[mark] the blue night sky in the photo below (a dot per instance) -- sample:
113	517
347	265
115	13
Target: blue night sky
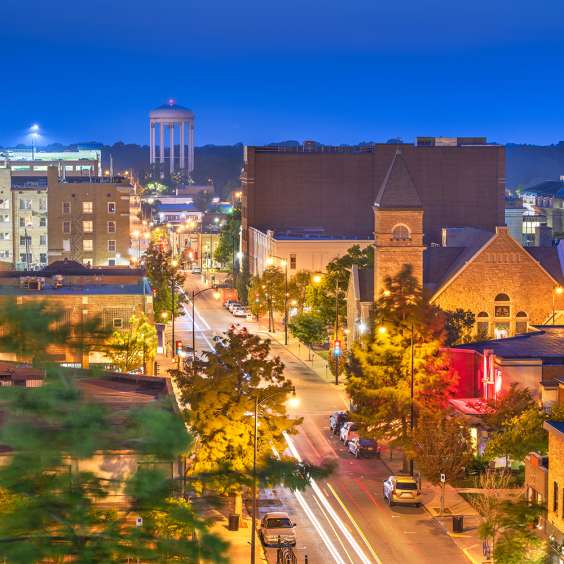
257	71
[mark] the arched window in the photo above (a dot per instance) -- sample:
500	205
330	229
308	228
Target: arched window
401	233
502	298
482	325
521	322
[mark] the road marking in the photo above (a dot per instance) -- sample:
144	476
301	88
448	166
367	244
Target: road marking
352	541
333	528
359	530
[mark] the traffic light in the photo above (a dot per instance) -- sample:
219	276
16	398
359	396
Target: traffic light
154	292
178	347
337	347
157	368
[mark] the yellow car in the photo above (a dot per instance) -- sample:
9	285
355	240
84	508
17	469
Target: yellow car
402	490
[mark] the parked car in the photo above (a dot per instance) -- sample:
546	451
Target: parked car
403	490
240	311
277	529
196	270
349	431
233	305
336	421
227	303
363	447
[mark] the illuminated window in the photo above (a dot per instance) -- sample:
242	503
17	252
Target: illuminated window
111	207
118	322
87	226
4	204
111	226
111	246
66	245
25	204
66	227
401	233
66	208
87	207
87	245
521	322
482	325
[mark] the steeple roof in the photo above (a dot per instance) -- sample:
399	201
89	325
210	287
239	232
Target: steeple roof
398	190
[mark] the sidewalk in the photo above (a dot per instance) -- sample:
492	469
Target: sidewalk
455	505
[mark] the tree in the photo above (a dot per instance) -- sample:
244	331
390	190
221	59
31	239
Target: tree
507	405
298	289
379	380
221	390
308	328
441	446
521	434
56	510
135	346
164	275
266	294
228	243
459	327
30	329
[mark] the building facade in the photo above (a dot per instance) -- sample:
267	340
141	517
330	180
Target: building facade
6	219
89	221
35	163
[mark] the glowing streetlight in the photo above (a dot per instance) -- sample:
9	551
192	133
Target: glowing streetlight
382	330
558	291
317	278
386	293
362	327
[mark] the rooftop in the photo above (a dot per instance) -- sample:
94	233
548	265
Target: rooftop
547	188
398	190
554	426
79	290
547	342
74	268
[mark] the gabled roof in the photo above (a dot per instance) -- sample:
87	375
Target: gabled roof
549	259
398	190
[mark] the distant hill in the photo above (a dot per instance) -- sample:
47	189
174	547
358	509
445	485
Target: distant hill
526	165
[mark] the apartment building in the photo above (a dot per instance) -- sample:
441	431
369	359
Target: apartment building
6	223
89	219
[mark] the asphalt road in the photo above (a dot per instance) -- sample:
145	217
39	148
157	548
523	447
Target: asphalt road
344	518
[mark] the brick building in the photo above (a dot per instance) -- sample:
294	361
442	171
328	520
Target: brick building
330	191
506	286
111	295
90	219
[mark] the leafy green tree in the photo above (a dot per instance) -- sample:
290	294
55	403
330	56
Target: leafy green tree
441	445
308	328
459	327
266	294
135	346
298	289
228	243
507	405
379	380
221	390
164	275
30	329
57	511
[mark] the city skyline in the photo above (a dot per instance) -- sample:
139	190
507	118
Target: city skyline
333	73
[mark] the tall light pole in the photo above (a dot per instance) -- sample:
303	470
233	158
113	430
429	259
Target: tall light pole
258	402
284	263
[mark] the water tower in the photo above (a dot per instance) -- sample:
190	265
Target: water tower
172	117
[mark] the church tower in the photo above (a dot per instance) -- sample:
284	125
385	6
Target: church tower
398	226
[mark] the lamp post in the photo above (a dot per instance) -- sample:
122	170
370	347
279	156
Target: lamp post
258	402
556	292
284	263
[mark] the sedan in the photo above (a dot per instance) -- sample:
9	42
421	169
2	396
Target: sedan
277	529
363	448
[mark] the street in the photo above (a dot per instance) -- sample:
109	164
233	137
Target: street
343	518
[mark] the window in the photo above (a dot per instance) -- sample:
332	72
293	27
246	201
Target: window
66	245
87	226
111	207
42	222
4	236
25	204
292	262
111	226
502	298
111	246
87	245
87	207
43	258
555	497
25	258
66	227
502	308
4	218
4	254
521	323
118	323
22	221
66	208
42	204
111	262
482	325
25	240
87	262
4	204
42	239
401	233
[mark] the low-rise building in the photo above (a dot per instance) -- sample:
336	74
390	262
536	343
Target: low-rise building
89	219
555	498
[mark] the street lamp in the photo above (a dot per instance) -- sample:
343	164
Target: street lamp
558	291
284	263
292	402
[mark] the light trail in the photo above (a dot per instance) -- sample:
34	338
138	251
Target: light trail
329	508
